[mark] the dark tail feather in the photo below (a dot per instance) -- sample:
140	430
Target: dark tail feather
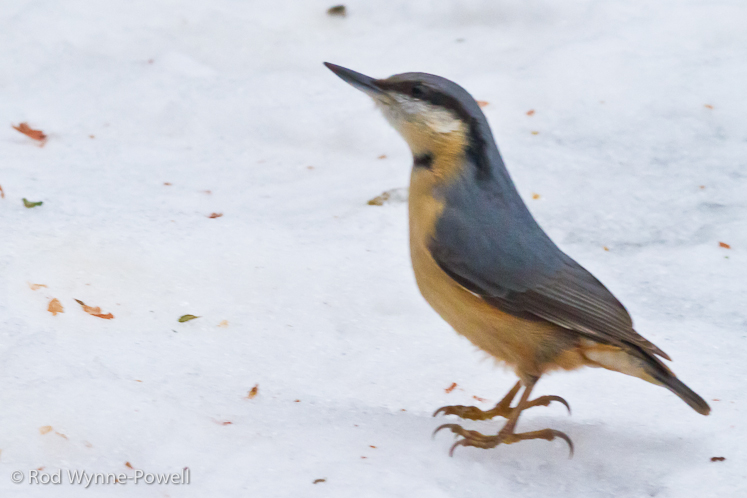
671	382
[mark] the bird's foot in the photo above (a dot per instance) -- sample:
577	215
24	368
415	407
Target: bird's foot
502	409
473	412
474	438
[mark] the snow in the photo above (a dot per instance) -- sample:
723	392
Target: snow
315	284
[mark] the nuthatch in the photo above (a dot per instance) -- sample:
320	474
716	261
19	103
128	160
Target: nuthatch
485	265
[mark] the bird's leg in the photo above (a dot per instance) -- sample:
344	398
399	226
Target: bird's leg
502	409
507	434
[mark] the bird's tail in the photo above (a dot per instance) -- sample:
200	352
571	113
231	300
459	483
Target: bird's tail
636	362
666	378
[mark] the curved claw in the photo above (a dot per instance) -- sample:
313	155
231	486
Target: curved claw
442	409
453	447
565	438
561	400
453	427
546	400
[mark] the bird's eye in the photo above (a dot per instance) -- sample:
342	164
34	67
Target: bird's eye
418	90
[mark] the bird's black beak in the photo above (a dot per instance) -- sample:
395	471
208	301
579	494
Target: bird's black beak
360	81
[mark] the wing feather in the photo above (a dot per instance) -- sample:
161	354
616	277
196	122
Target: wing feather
558	289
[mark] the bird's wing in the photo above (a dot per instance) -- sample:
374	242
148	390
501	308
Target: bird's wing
520	271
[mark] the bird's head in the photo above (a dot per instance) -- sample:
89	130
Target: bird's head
437	117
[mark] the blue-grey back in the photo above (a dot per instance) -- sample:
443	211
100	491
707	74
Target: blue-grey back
488	228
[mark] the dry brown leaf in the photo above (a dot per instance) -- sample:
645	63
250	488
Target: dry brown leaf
253	392
383	156
708	106
215	215
45	429
2	194
37	135
483	103
482	400
535	133
36	286
605	248
167	184
718	459
337	10
60	434
94	311
535	196
379	199
129	465
451	387
223	323
317	481
530	112
724	245
372	446
55	306
227	422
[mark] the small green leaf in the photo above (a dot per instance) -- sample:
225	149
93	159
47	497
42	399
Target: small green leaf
186	318
30	204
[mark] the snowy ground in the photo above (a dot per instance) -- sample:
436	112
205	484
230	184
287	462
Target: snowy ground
315	285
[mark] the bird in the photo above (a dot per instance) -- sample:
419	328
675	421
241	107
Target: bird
485	265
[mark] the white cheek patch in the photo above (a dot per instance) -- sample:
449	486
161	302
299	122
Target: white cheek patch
404	108
392	113
442	121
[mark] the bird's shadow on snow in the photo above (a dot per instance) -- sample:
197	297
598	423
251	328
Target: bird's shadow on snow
610	459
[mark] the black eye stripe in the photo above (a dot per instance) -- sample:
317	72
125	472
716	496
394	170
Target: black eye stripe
425	93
